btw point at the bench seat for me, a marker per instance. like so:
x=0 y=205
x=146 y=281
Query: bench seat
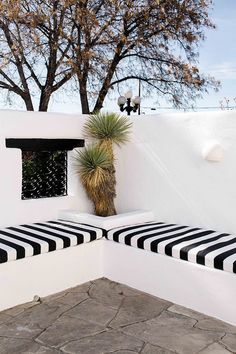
x=32 y=239
x=206 y=247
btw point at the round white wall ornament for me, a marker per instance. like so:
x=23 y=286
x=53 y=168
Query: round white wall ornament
x=213 y=151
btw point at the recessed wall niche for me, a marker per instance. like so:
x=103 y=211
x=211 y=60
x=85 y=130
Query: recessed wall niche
x=44 y=165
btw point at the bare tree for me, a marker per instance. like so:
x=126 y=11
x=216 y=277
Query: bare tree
x=104 y=43
x=154 y=41
x=33 y=53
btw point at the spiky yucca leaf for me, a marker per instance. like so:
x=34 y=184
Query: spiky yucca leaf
x=92 y=164
x=108 y=127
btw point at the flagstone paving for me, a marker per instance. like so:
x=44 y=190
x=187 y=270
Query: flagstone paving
x=103 y=317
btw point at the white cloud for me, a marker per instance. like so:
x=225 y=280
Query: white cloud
x=224 y=71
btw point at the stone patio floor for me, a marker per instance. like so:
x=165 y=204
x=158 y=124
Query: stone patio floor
x=105 y=317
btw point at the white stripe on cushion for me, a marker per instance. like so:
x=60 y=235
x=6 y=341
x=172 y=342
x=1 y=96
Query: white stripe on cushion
x=98 y=231
x=135 y=238
x=163 y=244
x=44 y=246
x=73 y=238
x=147 y=243
x=177 y=248
x=192 y=254
x=59 y=242
x=228 y=263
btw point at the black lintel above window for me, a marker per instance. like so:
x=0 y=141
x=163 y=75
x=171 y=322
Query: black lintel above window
x=44 y=144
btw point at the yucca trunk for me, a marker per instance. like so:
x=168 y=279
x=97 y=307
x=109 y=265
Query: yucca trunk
x=102 y=195
x=109 y=190
x=104 y=207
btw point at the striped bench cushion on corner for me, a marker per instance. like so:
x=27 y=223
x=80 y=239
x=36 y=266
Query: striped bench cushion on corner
x=33 y=239
x=205 y=247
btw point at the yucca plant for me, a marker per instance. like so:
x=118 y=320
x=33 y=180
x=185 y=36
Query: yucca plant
x=96 y=163
x=108 y=129
x=93 y=164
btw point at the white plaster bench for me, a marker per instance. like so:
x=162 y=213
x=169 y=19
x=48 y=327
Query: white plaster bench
x=206 y=247
x=30 y=267
x=194 y=268
x=202 y=288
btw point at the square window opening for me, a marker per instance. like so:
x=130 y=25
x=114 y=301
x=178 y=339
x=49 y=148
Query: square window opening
x=44 y=174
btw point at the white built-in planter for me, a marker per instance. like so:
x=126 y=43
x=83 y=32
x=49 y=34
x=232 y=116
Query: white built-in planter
x=109 y=222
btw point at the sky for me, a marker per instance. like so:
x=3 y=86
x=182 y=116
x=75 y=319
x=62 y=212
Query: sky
x=218 y=52
x=217 y=58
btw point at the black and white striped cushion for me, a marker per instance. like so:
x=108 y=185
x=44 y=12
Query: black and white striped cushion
x=33 y=239
x=205 y=247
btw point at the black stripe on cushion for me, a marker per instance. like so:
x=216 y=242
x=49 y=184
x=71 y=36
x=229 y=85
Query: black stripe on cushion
x=141 y=239
x=219 y=260
x=234 y=267
x=79 y=236
x=202 y=254
x=155 y=243
x=35 y=245
x=169 y=247
x=131 y=228
x=184 y=251
x=3 y=255
x=78 y=227
x=20 y=250
x=51 y=243
x=66 y=240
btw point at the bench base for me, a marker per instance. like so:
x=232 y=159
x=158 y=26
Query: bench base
x=49 y=273
x=199 y=288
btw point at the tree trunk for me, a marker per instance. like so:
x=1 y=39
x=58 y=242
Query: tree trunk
x=44 y=99
x=102 y=94
x=28 y=103
x=106 y=84
x=107 y=81
x=84 y=97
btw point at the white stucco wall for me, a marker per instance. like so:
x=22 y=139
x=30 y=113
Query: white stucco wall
x=161 y=168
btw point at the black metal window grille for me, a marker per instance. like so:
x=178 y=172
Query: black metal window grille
x=44 y=165
x=44 y=174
